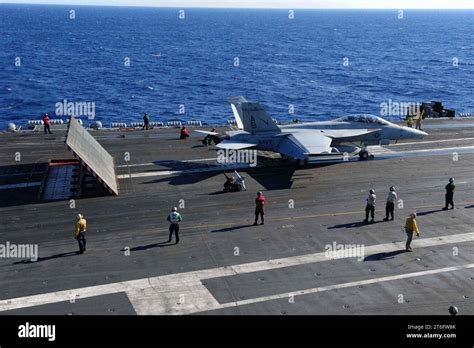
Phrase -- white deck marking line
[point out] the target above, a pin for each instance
(187, 171)
(382, 154)
(377, 149)
(183, 293)
(135, 165)
(426, 152)
(431, 141)
(163, 162)
(342, 286)
(20, 185)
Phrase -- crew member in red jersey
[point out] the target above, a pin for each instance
(47, 124)
(259, 204)
(184, 133)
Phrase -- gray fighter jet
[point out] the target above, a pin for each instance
(344, 136)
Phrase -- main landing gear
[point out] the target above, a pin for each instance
(365, 155)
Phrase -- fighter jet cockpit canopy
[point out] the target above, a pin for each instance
(363, 118)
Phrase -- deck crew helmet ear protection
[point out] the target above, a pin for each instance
(371, 191)
(174, 209)
(392, 188)
(259, 193)
(79, 216)
(451, 179)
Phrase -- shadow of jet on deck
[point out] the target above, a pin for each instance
(271, 178)
(272, 175)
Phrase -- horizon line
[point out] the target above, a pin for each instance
(243, 7)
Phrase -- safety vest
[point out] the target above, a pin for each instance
(175, 217)
(81, 226)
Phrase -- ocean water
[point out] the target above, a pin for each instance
(191, 61)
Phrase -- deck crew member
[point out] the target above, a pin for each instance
(146, 121)
(80, 233)
(213, 138)
(209, 138)
(174, 218)
(47, 124)
(184, 133)
(411, 227)
(390, 205)
(453, 310)
(259, 204)
(229, 183)
(449, 194)
(370, 206)
(410, 121)
(419, 119)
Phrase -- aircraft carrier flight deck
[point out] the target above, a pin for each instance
(223, 264)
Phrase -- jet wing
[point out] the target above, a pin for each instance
(206, 132)
(234, 145)
(347, 133)
(303, 144)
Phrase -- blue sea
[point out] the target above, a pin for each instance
(193, 61)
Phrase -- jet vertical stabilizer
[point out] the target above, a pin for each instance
(256, 119)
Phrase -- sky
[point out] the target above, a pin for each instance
(285, 4)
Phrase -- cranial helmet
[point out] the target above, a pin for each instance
(453, 310)
(79, 216)
(371, 191)
(174, 209)
(392, 188)
(451, 179)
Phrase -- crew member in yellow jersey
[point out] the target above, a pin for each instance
(80, 233)
(419, 119)
(411, 227)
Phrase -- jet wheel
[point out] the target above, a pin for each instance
(364, 155)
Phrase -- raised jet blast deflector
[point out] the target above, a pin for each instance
(92, 155)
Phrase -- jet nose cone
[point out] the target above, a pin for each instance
(415, 133)
(420, 134)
